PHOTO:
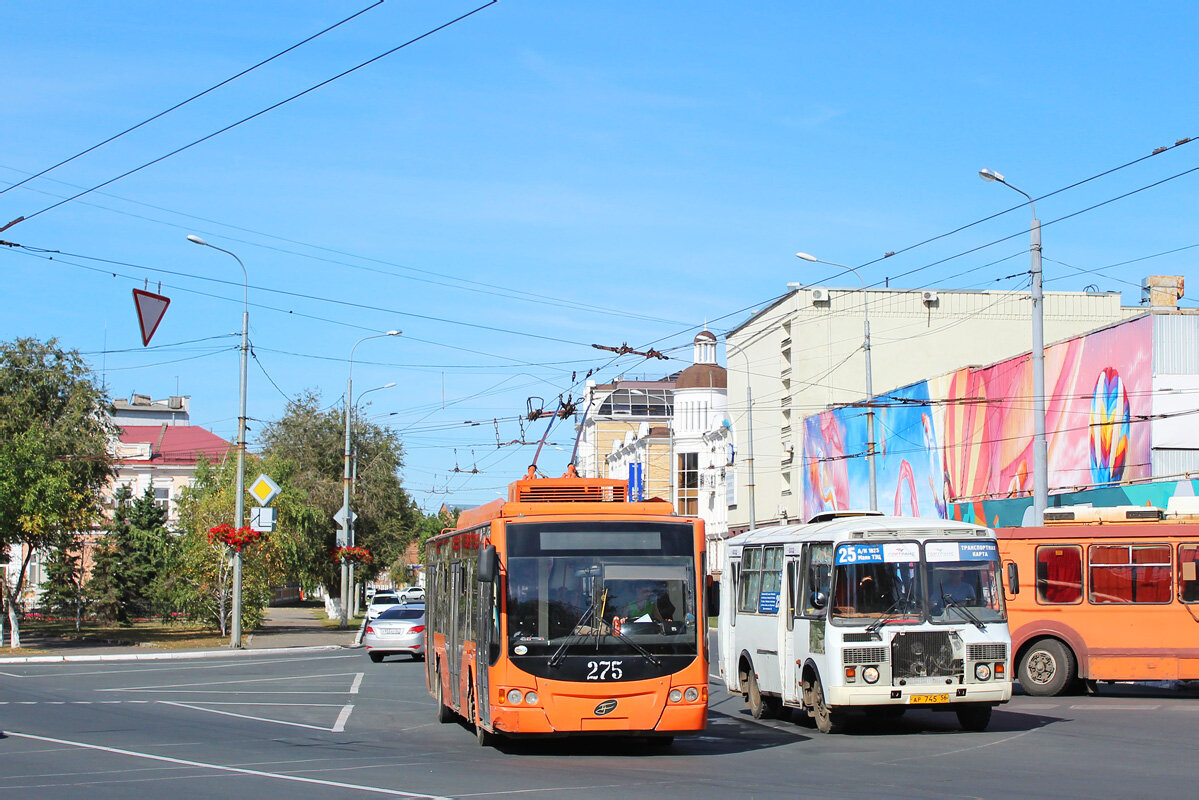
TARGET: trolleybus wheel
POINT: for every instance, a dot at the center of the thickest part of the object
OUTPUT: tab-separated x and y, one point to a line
1046	669
759	706
974	717
827	720
444	712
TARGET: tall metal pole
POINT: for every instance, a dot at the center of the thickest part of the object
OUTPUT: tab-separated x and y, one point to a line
1040	445
870	442
239	503
348	537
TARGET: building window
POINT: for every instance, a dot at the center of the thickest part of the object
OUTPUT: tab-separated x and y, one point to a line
688	483
162	497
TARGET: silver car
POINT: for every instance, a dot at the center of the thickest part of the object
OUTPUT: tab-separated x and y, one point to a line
399	629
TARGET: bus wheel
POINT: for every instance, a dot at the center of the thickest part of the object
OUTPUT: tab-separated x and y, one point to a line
974	717
827	720
1046	669
444	712
482	734
759	707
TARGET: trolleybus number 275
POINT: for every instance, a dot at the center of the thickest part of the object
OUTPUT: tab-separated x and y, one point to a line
604	670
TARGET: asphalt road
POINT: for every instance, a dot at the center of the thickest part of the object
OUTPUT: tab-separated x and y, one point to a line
333	724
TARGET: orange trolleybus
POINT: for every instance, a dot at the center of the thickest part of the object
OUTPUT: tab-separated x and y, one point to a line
1102	595
568	609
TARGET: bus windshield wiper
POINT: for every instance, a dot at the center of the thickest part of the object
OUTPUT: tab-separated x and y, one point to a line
889	615
560	653
965	612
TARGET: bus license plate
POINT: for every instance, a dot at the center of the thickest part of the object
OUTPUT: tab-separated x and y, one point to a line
917	699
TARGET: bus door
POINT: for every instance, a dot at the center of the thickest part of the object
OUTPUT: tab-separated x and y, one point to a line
771	600
453	643
788	613
727	622
486	640
807	634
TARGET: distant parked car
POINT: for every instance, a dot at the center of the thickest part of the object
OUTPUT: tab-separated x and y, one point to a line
413	594
399	629
381	602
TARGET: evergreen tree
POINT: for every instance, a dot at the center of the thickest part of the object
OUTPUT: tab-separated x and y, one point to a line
130	560
62	591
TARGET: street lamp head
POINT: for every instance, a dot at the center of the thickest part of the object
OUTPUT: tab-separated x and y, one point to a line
990	175
388	385
191	237
393	333
807	256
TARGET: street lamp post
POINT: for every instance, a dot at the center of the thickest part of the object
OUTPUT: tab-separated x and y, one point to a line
348	537
240	498
354	484
869	385
1040	447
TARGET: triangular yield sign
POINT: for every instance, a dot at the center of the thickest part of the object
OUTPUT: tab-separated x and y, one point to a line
150	310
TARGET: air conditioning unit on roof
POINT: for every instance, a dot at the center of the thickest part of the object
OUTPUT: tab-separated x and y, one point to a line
819	295
928	296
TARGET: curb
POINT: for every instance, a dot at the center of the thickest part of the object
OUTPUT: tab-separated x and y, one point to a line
169	656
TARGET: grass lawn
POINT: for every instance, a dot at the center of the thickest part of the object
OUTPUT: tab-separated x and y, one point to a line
150	634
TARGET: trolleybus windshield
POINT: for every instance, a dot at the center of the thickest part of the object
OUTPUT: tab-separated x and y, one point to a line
616	592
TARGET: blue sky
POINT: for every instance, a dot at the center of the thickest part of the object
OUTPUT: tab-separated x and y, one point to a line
544	176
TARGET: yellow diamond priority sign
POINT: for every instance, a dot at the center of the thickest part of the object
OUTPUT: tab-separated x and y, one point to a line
264	490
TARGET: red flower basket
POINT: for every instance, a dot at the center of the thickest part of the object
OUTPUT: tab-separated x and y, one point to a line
352	555
237	538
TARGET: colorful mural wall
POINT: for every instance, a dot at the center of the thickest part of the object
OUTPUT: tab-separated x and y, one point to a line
965	439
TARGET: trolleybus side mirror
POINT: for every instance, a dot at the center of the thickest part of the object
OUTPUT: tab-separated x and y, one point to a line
1013	578
819	600
487	564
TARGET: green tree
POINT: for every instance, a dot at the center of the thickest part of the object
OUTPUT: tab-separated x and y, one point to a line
131	560
62	591
54	461
311	441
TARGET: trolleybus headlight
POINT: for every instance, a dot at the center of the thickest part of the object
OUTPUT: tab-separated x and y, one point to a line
982	672
531	698
870	675
675	695
691	695
514	696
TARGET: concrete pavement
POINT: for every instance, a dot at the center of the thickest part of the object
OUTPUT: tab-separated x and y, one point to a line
284	628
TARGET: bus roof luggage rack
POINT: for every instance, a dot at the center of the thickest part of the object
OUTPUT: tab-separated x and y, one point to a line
1087	515
568	490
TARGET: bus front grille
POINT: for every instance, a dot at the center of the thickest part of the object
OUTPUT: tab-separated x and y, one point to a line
923	654
864	655
987	652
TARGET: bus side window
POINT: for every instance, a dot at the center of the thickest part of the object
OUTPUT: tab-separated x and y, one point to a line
1059	574
1188	573
817	577
750	584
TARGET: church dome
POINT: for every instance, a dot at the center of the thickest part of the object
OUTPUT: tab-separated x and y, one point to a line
702	376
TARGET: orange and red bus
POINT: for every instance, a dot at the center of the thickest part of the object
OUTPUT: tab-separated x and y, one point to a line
568	609
1102	597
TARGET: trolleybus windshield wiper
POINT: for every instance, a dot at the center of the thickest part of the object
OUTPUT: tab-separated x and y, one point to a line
560	653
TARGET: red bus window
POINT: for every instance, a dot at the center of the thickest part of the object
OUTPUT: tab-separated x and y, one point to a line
1059	574
1188	573
1122	573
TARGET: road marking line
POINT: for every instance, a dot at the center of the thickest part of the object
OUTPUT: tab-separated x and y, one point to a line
340	725
247	716
1094	707
228	683
251	703
223	768
124	668
202	691
357	683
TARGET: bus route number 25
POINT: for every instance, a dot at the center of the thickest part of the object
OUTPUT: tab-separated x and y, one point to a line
604	670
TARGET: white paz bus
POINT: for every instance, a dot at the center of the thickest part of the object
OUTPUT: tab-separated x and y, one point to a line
868	613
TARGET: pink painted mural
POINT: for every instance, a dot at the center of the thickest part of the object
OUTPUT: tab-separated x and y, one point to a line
967	436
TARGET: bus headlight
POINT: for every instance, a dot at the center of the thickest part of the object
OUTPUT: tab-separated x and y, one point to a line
531	698
514	696
675	695
870	674
982	672
691	695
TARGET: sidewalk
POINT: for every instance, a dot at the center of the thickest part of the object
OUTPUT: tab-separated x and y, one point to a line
284	628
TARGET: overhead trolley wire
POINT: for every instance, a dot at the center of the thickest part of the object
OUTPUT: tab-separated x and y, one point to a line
257	114
181	104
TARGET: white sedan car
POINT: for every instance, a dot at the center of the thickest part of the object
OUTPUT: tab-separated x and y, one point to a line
380	603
